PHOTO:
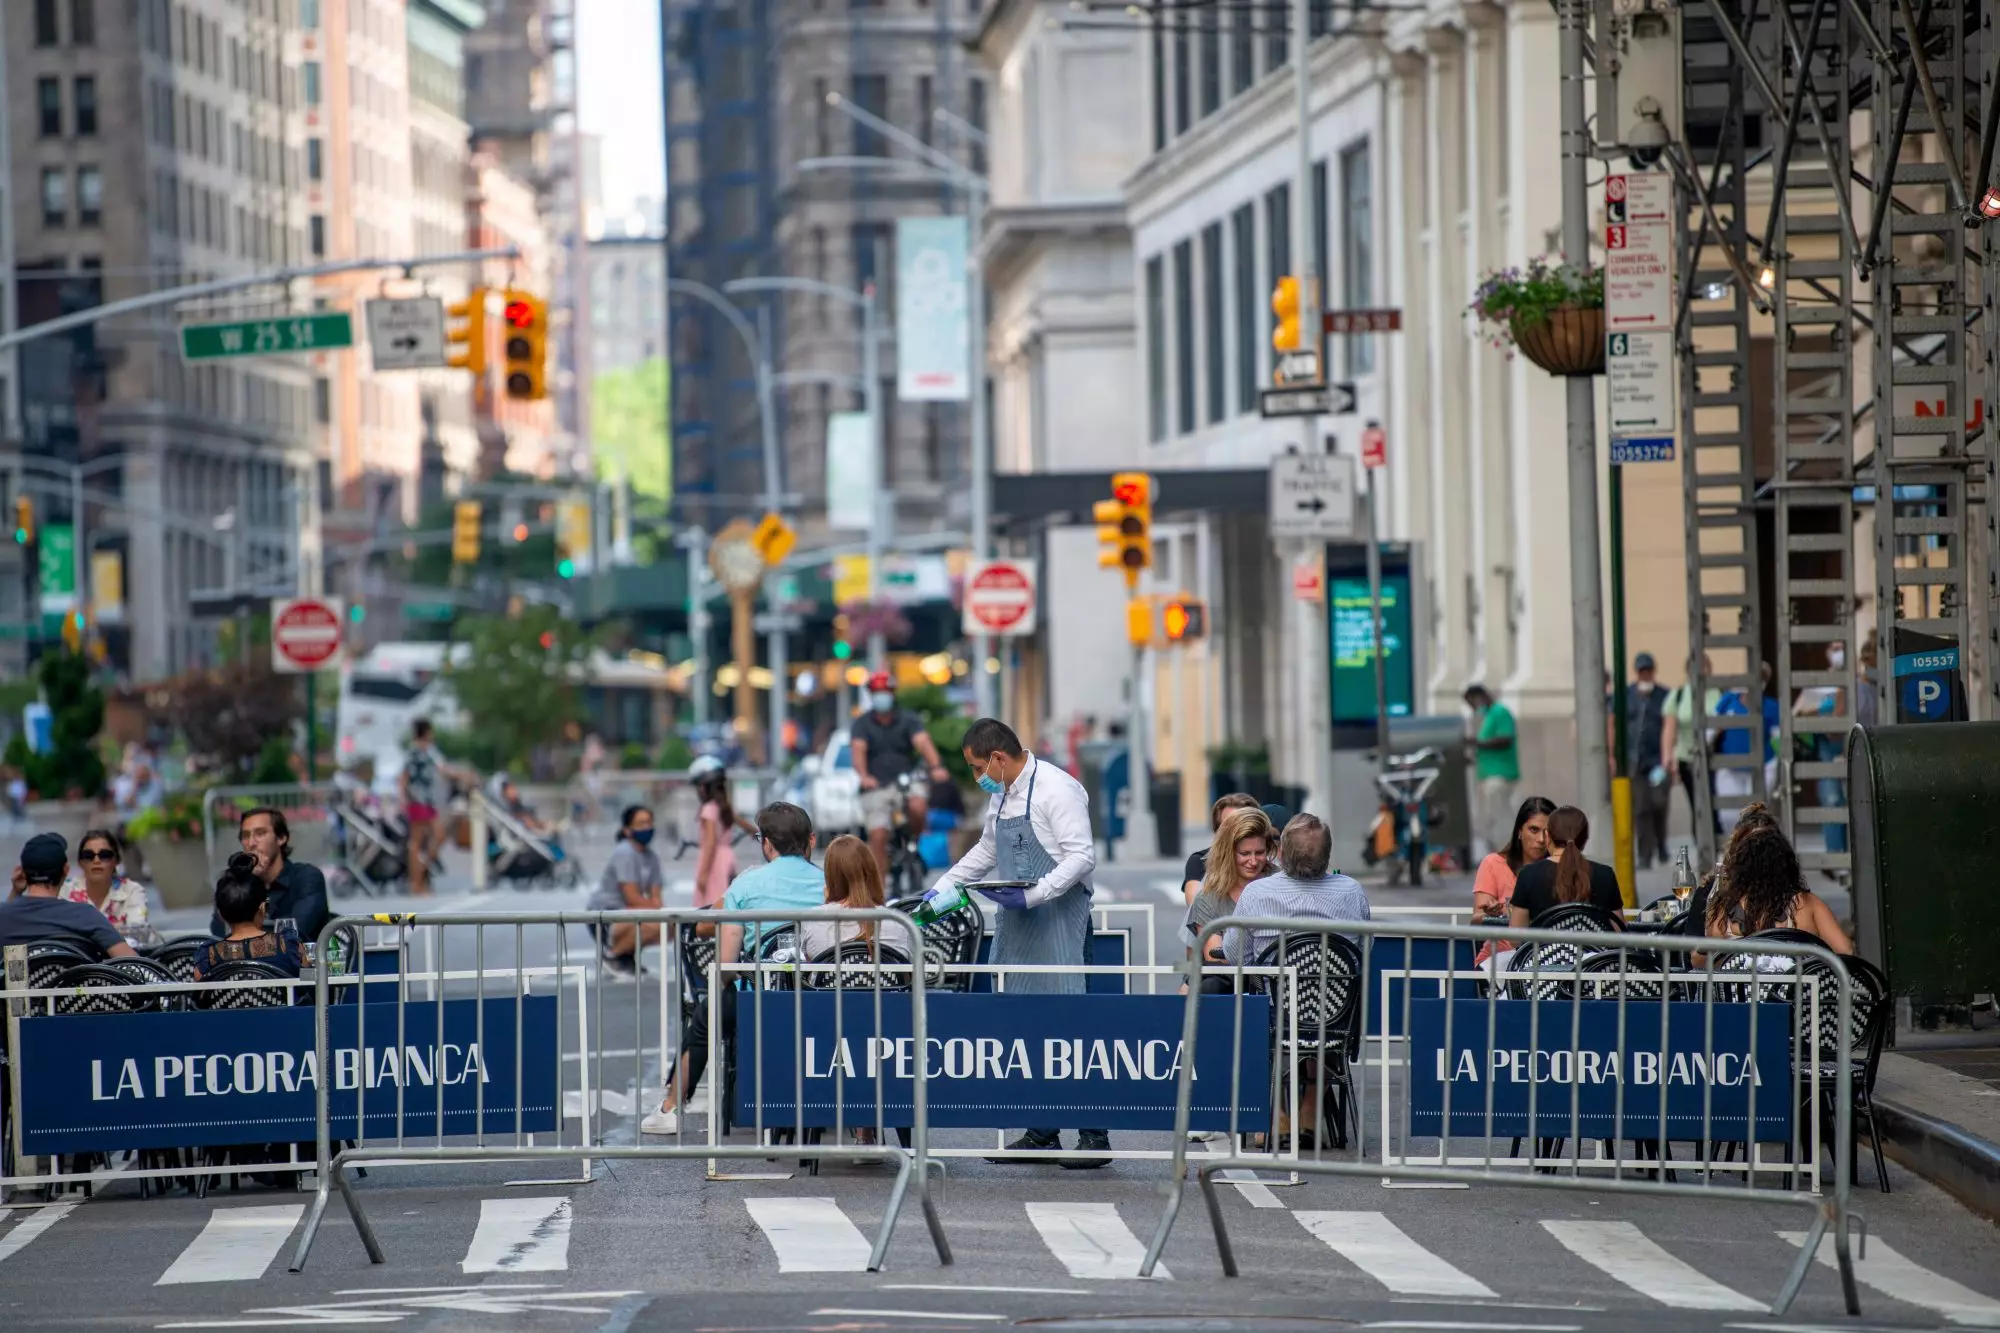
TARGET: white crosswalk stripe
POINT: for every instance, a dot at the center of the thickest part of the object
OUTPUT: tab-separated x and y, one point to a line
1623	1252
237	1245
1382	1250
1091	1240
32	1225
810	1235
1888	1271
520	1236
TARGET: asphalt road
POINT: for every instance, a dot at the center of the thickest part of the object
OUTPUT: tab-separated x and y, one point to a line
652	1245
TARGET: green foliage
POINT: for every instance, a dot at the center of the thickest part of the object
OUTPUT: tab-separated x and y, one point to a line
522	683
947	724
632	757
1522	298
231	635
470	748
1233	758
18	755
631	434
174	819
72	766
18	694
274	763
233	716
675	753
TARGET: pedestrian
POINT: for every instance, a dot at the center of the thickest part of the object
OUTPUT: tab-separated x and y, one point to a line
98	880
715	862
38	911
425	787
1733	781
1037	832
1197	862
1682	737
1867	699
296	889
887	741
1645	761
632	881
1496	760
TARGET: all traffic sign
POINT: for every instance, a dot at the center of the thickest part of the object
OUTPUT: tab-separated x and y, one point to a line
1312	497
1000	597
406	333
305	633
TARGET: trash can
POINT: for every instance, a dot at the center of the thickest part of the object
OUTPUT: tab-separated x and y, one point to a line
1165	794
1923	800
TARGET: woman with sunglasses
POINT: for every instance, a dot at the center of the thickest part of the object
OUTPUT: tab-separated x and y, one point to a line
96	880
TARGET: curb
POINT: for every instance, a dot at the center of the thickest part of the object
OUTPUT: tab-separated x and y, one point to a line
1962	1164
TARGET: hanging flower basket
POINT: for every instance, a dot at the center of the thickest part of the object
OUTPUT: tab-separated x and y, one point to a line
1553	313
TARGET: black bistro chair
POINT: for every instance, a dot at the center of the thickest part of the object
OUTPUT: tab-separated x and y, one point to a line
857	962
49	959
1329	993
177	955
950	943
1547	970
214	996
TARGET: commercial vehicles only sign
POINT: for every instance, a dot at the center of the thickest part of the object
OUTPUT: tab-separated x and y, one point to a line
1000	597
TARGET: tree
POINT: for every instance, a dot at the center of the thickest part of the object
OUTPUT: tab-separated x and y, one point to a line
520	684
238	718
631	430
71	767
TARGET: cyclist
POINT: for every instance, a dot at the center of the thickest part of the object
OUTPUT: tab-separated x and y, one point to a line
887	741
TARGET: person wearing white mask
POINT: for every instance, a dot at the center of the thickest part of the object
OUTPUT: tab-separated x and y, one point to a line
886	742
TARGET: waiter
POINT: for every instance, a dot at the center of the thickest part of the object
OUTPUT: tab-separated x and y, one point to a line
1037	829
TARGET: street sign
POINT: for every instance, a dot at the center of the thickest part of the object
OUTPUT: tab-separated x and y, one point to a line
1316	401
55	558
1642	196
1000	597
1308	580
1638	250
1640	368
406	334
1364	321
734	558
777	622
1343	399
328	330
774	539
305	633
1374	447
1312	497
1298	368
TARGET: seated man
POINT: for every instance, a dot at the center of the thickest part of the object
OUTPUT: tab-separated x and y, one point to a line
1304	888
39	912
787	881
242	901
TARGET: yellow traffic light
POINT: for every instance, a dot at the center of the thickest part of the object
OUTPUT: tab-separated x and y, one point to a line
24	520
1288	305
465	533
465	334
1184	619
1125	525
1139	622
526	356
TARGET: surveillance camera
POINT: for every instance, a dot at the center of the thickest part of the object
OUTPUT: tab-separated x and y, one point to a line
1646	142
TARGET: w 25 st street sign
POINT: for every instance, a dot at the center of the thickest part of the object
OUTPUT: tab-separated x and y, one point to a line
326	331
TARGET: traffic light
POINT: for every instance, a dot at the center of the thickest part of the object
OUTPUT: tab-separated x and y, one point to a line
1288	304
1139	622
465	533
1125	525
24	520
843	643
1185	620
465	334
527	338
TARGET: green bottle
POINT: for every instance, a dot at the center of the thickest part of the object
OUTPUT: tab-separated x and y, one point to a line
939	901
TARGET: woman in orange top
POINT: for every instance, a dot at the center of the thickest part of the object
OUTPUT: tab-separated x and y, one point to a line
1493	886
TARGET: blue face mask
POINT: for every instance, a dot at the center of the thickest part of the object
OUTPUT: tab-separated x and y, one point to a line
989	783
642	836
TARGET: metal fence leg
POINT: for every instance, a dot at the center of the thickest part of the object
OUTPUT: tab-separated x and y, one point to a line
1808	1252
313	1217
1213	1197
1843	1255
933	1218
362	1225
896	1193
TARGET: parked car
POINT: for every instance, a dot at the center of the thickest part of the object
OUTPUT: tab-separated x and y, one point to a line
834	789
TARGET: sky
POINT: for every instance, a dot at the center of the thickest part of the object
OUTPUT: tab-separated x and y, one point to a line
618	63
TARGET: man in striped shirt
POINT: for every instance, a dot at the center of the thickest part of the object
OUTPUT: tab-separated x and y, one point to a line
1305	889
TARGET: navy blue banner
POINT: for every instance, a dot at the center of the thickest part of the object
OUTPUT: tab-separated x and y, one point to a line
1422	953
1003	1061
1698	1069
1102	948
97	1082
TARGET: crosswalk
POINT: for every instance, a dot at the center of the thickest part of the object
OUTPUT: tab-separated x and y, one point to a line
1042	1243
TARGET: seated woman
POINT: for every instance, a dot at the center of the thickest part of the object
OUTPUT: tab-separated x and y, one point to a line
1493	886
99	880
1565	877
1241	852
1764	889
853	879
240	902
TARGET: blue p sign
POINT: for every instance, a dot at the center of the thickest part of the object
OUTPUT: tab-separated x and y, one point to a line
1924	685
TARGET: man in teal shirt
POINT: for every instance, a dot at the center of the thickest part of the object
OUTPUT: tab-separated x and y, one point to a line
787	881
1496	765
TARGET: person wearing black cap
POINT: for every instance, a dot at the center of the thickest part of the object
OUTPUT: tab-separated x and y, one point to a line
40	912
1645	722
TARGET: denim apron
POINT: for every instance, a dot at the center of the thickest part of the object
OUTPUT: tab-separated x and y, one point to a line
1053	934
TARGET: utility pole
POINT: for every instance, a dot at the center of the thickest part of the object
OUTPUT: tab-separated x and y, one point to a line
1315	700
871	374
694	541
777	648
1586	585
985	691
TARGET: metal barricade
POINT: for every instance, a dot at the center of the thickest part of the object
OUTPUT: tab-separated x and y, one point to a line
595	800
307	809
515	1020
1744	1006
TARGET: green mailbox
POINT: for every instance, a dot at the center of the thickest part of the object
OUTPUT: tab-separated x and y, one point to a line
1925	809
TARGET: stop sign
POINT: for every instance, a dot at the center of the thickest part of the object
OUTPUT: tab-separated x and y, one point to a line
1000	597
305	633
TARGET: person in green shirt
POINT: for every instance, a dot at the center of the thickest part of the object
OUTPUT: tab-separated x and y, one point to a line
1496	765
1682	739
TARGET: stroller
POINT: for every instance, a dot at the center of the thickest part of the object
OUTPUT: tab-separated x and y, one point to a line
371	845
515	852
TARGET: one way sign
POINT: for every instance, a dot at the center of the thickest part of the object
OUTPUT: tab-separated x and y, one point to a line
407	333
1312	497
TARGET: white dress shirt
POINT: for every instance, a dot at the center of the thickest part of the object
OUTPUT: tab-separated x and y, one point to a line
1060	819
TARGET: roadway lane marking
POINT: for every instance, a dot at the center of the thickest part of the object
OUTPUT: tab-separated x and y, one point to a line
1092	1241
237	1245
31	1226
1257	1193
918	1314
1623	1252
1487	1328
1010	1291
520	1236
1895	1276
810	1235
1385	1252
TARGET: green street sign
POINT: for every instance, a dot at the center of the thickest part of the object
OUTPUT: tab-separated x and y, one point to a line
267	337
429	611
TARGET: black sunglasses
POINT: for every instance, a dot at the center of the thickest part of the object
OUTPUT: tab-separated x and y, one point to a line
105	854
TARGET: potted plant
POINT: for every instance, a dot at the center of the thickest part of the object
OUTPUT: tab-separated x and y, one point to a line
1553	312
1244	768
170	837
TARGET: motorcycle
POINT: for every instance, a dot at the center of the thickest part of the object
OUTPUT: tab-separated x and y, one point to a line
1400	834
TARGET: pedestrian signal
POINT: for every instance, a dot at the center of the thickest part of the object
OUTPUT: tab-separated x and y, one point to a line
1184	620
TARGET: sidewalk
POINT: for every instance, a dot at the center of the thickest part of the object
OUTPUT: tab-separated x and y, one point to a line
1937	1096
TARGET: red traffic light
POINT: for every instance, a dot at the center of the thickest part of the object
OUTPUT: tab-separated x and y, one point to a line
1129	492
520	315
548	640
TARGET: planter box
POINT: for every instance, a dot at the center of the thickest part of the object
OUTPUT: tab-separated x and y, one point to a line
69	818
1568	342
180	871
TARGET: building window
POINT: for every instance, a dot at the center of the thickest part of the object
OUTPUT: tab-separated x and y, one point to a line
1183	77
48	106
1184	365
871	94
1214	329
822	120
1159	84
1320	254
976	103
1357	248
926	109
1242	49
1156	350
1243	242
83	22
89	196
1211	65
86	105
316	229
1278	239
323	400
315	160
1319	18
45	23
55	197
312	82
1278	43
309	14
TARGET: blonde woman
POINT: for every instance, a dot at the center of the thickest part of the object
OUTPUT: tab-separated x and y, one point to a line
1241	852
